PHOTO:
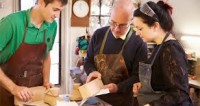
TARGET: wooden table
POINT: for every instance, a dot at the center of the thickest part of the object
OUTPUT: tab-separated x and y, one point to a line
92	101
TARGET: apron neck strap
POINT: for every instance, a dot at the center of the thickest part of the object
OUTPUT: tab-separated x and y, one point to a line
167	34
126	40
26	28
44	36
104	41
106	35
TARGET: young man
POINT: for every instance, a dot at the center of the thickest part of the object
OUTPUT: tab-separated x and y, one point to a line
114	53
26	39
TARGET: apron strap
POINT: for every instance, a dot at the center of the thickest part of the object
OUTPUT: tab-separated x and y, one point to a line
104	41
106	35
126	40
167	34
44	36
26	28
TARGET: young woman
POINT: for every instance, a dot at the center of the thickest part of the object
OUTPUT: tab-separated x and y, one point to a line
164	76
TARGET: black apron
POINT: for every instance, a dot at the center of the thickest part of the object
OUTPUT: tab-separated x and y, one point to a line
24	68
146	93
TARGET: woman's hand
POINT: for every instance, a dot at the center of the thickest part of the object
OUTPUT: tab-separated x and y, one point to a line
136	87
192	77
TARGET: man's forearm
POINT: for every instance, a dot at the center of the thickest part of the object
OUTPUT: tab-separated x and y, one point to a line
46	69
6	82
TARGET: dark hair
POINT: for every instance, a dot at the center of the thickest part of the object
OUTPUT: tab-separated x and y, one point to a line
64	2
163	15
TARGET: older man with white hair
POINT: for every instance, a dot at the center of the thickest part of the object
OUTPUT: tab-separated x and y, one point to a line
114	53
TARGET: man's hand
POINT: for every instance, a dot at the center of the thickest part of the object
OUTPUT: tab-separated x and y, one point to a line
112	87
23	93
48	85
93	75
136	87
192	77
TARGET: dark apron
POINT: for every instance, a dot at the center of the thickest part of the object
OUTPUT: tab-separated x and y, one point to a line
112	66
113	70
146	93
24	68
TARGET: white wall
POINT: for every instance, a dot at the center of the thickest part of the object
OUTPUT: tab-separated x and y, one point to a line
186	16
7	7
